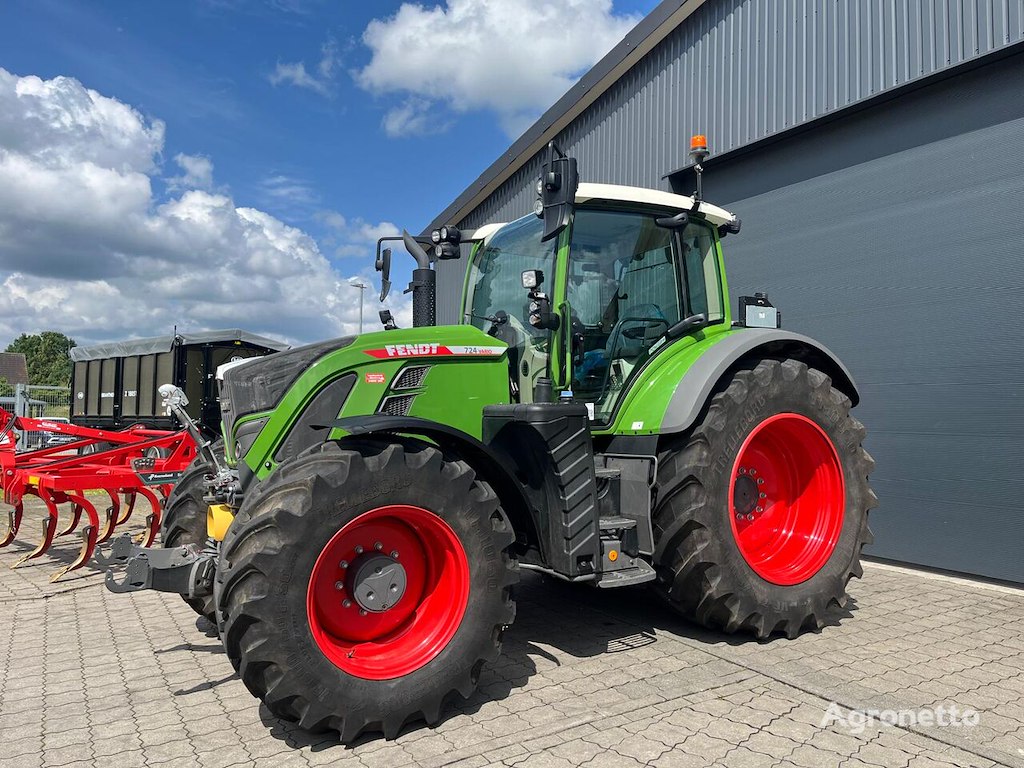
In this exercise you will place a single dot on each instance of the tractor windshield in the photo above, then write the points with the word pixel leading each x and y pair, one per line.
pixel 629 282
pixel 495 285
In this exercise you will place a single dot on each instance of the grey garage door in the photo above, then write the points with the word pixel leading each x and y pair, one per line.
pixel 896 236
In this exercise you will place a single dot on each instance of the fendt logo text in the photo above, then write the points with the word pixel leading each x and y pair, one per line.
pixel 410 350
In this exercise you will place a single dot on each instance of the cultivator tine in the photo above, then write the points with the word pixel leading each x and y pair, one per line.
pixel 49 530
pixel 89 537
pixel 76 515
pixel 112 514
pixel 13 524
pixel 129 506
pixel 152 519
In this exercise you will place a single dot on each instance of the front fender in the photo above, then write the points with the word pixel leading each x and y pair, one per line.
pixel 690 372
pixel 488 464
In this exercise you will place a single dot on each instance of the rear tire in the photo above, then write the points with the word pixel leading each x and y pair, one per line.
pixel 768 552
pixel 302 644
pixel 184 519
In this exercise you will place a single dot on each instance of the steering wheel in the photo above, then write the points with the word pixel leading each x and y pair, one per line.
pixel 643 330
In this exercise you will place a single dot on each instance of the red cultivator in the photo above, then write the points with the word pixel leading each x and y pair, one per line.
pixel 125 465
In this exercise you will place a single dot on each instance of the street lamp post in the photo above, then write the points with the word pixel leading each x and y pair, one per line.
pixel 362 290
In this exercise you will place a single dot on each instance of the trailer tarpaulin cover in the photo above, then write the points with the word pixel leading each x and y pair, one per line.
pixel 160 344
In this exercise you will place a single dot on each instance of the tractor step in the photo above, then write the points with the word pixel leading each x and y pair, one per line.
pixel 616 523
pixel 640 573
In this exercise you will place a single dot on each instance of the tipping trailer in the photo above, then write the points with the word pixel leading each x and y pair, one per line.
pixel 599 416
pixel 116 385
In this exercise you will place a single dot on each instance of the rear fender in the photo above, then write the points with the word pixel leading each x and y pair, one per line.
pixel 738 350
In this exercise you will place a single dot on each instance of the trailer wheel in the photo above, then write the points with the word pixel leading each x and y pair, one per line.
pixel 184 520
pixel 763 508
pixel 364 585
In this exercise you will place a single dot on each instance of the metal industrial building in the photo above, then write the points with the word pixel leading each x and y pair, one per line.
pixel 874 150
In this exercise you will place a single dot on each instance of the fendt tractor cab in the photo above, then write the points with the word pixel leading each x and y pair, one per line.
pixel 599 416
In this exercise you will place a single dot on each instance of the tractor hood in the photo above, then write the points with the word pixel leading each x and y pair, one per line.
pixel 275 406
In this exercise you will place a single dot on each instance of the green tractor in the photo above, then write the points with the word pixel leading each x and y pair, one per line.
pixel 599 416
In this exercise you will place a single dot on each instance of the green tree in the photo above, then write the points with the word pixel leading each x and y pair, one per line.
pixel 47 356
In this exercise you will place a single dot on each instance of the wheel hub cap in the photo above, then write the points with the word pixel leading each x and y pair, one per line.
pixel 378 583
pixel 745 494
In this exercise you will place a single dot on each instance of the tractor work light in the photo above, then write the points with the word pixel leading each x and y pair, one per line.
pixel 532 278
pixel 444 251
pixel 435 236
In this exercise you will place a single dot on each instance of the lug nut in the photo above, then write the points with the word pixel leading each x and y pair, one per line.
pixel 343 564
pixel 394 553
pixel 760 481
pixel 346 603
pixel 359 549
pixel 750 517
pixel 762 495
pixel 339 585
pixel 753 471
pixel 362 612
pixel 743 470
pixel 378 569
pixel 760 509
pixel 378 546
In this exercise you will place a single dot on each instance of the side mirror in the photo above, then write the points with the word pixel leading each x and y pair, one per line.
pixel 383 265
pixel 556 191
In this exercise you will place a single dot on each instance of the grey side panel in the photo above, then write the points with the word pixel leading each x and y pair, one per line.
pixel 309 428
pixel 693 390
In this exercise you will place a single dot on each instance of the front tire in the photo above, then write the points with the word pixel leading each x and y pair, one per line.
pixel 300 580
pixel 763 508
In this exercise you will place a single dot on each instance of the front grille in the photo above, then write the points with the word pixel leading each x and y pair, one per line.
pixel 397 405
pixel 411 377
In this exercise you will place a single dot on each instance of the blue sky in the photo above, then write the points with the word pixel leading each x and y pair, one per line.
pixel 332 121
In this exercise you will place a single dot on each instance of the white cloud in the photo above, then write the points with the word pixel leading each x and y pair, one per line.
pixel 87 249
pixel 415 117
pixel 295 73
pixel 197 172
pixel 354 237
pixel 512 57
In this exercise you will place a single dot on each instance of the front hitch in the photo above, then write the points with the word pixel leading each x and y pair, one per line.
pixel 187 570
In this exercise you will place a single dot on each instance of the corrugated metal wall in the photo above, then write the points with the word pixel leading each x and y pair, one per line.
pixel 741 70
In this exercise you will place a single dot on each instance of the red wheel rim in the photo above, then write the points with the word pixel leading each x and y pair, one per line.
pixel 426 573
pixel 787 499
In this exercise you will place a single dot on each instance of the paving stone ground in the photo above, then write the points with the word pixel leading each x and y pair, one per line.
pixel 89 678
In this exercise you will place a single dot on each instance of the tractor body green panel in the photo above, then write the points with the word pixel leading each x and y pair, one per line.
pixel 643 407
pixel 468 370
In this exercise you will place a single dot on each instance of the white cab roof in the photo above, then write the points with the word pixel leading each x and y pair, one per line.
pixel 616 193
